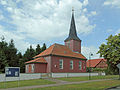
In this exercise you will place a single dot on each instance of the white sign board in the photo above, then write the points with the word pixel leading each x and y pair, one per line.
pixel 118 65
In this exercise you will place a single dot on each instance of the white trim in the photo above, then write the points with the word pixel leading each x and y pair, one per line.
pixel 61 64
pixel 71 64
pixel 80 65
pixel 32 68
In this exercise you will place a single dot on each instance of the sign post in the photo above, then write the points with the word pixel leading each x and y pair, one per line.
pixel 12 72
pixel 118 65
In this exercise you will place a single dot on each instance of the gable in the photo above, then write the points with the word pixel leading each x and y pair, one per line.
pixel 94 62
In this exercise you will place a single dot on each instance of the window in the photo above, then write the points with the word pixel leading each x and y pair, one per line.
pixel 68 44
pixel 32 65
pixel 61 64
pixel 84 65
pixel 80 65
pixel 71 64
pixel 27 68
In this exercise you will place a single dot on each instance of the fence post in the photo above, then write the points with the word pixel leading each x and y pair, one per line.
pixel 40 75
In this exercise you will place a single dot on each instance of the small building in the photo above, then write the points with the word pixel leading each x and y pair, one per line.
pixel 60 58
pixel 97 63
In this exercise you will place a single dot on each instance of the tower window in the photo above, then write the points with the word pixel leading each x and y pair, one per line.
pixel 68 44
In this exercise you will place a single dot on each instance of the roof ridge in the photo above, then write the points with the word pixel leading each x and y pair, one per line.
pixel 98 62
pixel 97 59
pixel 53 48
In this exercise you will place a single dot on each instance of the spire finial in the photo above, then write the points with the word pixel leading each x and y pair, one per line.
pixel 72 9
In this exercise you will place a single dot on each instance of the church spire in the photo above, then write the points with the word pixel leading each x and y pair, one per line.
pixel 72 32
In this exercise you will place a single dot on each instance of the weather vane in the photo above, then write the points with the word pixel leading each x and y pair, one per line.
pixel 72 9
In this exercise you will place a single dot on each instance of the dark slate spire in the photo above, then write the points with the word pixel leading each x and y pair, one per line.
pixel 72 33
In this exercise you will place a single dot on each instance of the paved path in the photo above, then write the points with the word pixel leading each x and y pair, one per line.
pixel 58 83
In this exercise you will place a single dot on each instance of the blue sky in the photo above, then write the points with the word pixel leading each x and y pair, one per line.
pixel 32 22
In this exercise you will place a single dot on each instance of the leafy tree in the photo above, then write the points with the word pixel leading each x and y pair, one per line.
pixel 38 49
pixel 111 52
pixel 43 48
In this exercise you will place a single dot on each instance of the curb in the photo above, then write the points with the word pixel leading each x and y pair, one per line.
pixel 112 87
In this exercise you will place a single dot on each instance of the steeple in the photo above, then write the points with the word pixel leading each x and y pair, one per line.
pixel 73 41
pixel 72 32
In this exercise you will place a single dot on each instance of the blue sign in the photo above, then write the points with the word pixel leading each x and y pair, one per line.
pixel 12 71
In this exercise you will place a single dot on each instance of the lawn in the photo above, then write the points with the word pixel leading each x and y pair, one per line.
pixel 85 78
pixel 101 85
pixel 22 83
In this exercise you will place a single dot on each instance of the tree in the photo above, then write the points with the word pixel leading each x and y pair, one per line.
pixel 3 49
pixel 29 54
pixel 111 52
pixel 43 48
pixel 38 49
pixel 12 54
pixel 3 61
pixel 21 62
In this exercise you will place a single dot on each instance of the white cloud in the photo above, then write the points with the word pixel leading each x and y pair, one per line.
pixel 93 13
pixel 113 3
pixel 87 50
pixel 3 2
pixel 48 19
pixel 18 39
pixel 85 2
pixel 109 30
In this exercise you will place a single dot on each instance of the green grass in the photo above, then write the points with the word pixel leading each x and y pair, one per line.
pixel 12 84
pixel 101 85
pixel 85 78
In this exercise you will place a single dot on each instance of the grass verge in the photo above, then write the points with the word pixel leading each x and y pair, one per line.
pixel 101 85
pixel 85 78
pixel 22 83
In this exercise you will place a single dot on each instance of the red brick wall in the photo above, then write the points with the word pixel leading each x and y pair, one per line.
pixel 40 68
pixel 66 65
pixel 74 45
pixel 102 64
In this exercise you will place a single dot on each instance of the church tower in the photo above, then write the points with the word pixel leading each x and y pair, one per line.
pixel 73 41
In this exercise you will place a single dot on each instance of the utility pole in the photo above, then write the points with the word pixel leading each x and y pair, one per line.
pixel 90 54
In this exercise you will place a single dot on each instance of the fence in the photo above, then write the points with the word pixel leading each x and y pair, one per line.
pixel 25 76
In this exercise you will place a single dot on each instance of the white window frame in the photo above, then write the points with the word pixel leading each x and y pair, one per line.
pixel 27 67
pixel 61 63
pixel 32 67
pixel 80 65
pixel 71 64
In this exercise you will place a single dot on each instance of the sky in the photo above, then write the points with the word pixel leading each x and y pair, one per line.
pixel 32 22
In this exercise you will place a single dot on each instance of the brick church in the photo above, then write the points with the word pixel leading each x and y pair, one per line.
pixel 60 58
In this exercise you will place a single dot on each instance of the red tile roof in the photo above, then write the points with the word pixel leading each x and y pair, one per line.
pixel 94 62
pixel 60 50
pixel 37 60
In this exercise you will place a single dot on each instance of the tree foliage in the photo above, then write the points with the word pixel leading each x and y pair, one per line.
pixel 9 55
pixel 111 52
pixel 43 48
pixel 38 49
